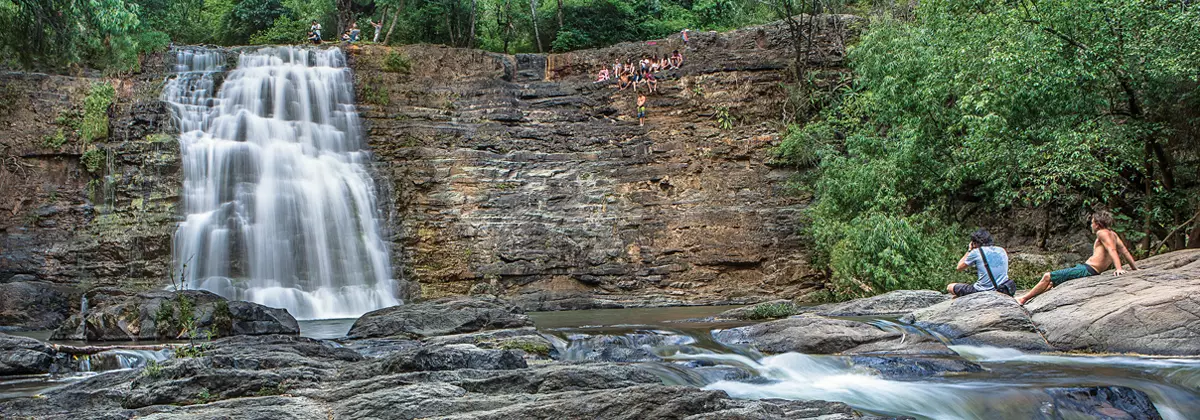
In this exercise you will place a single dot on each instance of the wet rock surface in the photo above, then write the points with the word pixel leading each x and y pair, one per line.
pixel 990 319
pixel 1103 403
pixel 452 315
pixel 809 334
pixel 1155 310
pixel 116 315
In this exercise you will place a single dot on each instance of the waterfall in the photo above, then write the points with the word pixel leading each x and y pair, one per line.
pixel 280 209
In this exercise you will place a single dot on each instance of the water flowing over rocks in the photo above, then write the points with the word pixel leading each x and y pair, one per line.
pixel 991 319
pixel 453 315
pixel 119 316
pixel 1155 310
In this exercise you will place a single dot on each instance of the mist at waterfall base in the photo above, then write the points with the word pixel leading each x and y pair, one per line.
pixel 280 209
pixel 1012 384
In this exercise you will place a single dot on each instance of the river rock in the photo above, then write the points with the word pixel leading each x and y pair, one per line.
pixel 453 315
pixel 22 355
pixel 1104 402
pixel 1154 310
pixel 32 305
pixel 809 334
pixel 898 302
pixel 160 314
pixel 988 319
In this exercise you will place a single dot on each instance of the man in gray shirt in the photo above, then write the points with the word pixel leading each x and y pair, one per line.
pixel 991 266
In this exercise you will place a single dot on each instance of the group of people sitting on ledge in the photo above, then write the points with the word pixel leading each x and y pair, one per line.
pixel 631 75
pixel 991 262
pixel 349 36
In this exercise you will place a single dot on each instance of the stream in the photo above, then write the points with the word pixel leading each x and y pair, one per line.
pixel 1012 384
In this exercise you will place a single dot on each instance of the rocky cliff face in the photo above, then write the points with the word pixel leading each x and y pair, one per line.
pixel 63 225
pixel 509 175
pixel 518 175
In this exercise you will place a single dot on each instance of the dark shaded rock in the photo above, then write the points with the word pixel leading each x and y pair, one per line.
pixel 239 367
pixel 990 319
pixel 651 402
pixel 774 309
pixel 32 305
pixel 454 315
pixel 560 301
pixel 898 302
pixel 120 316
pixel 909 367
pixel 1103 403
pixel 809 334
pixel 434 358
pixel 1154 310
pixel 23 355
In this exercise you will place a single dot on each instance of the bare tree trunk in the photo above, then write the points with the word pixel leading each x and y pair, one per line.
pixel 344 16
pixel 560 24
pixel 471 40
pixel 395 18
pixel 537 37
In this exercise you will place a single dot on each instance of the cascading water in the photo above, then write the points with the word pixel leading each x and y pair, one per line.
pixel 280 207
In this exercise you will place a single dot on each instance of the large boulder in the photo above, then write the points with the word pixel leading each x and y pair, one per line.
pixel 1154 310
pixel 453 315
pixel 989 319
pixel 155 315
pixel 23 355
pixel 32 305
pixel 809 334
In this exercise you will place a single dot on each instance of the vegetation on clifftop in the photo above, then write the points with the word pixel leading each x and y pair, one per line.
pixel 965 109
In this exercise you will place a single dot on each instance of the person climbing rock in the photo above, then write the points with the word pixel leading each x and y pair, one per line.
pixel 641 110
pixel 1107 250
pixel 991 267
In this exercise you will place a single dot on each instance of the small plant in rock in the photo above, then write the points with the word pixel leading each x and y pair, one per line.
pixel 772 311
pixel 530 347
pixel 395 62
pixel 55 141
pixel 93 160
pixel 204 397
pixel 153 370
pixel 725 121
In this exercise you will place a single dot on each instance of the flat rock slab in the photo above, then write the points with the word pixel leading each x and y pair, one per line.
pixel 453 315
pixel 988 319
pixel 894 303
pixel 808 334
pixel 1155 310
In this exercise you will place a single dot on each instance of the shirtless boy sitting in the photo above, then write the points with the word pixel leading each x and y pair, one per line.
pixel 1106 251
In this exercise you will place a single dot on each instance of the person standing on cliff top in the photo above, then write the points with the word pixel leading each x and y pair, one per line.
pixel 684 36
pixel 378 29
pixel 641 110
pixel 991 267
pixel 1107 250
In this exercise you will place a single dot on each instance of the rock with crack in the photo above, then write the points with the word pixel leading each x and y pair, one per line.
pixel 987 319
pixel 1154 310
pixel 453 315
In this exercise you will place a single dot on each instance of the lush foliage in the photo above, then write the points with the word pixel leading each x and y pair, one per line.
pixel 974 107
pixel 110 34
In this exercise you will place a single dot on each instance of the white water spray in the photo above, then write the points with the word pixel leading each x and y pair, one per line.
pixel 280 209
